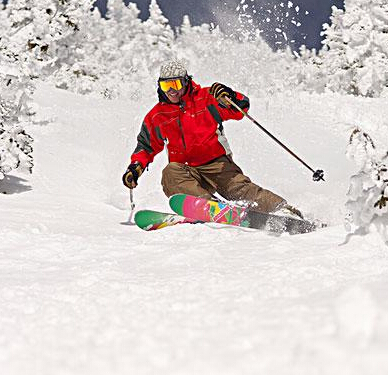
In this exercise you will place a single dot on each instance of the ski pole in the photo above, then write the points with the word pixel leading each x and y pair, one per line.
pixel 130 218
pixel 317 174
pixel 130 221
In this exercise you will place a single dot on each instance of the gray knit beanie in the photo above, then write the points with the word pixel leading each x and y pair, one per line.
pixel 173 69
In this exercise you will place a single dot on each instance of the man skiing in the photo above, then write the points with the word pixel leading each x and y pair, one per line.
pixel 189 120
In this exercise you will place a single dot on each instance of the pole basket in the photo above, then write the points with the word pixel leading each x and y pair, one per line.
pixel 318 175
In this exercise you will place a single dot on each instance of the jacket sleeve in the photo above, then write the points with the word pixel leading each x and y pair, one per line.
pixel 149 143
pixel 231 113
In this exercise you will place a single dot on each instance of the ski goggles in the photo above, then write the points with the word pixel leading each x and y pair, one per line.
pixel 175 84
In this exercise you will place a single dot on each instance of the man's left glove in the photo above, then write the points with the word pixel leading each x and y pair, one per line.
pixel 220 91
pixel 132 174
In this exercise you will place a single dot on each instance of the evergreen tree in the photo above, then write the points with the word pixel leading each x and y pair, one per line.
pixel 309 71
pixel 355 53
pixel 125 20
pixel 235 62
pixel 46 34
pixel 15 98
pixel 88 67
pixel 368 192
pixel 15 143
pixel 122 32
pixel 124 52
pixel 159 37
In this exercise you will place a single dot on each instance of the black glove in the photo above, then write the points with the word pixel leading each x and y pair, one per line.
pixel 132 174
pixel 381 202
pixel 219 91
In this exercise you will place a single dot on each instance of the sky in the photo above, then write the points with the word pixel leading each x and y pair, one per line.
pixel 294 22
pixel 280 26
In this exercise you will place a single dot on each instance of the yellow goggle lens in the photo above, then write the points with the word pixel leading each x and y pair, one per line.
pixel 175 84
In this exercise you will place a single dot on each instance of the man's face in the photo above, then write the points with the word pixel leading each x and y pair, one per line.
pixel 175 95
pixel 173 88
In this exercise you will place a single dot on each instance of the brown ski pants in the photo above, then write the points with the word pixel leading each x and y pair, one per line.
pixel 222 176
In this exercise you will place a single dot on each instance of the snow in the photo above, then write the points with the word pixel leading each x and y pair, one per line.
pixel 82 294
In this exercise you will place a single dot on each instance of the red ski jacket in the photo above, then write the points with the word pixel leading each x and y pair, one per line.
pixel 192 130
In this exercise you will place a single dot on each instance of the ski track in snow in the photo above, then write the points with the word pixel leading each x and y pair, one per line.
pixel 82 294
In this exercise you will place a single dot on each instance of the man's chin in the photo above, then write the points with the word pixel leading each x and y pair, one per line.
pixel 174 100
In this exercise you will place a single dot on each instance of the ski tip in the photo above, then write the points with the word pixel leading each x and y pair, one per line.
pixel 146 219
pixel 141 219
pixel 176 203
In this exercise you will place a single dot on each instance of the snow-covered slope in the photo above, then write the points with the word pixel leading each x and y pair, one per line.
pixel 82 294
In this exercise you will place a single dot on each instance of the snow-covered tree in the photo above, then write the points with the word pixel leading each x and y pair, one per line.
pixel 122 49
pixel 132 51
pixel 46 34
pixel 309 71
pixel 234 61
pixel 355 52
pixel 193 42
pixel 87 68
pixel 15 110
pixel 158 38
pixel 120 28
pixel 123 22
pixel 367 203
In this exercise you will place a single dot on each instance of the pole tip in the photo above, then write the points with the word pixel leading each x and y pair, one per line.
pixel 318 175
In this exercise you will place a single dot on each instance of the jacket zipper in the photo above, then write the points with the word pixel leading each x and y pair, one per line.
pixel 180 127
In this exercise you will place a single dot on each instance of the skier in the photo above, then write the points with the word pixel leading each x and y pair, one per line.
pixel 189 120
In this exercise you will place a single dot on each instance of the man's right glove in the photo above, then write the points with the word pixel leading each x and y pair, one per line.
pixel 131 175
